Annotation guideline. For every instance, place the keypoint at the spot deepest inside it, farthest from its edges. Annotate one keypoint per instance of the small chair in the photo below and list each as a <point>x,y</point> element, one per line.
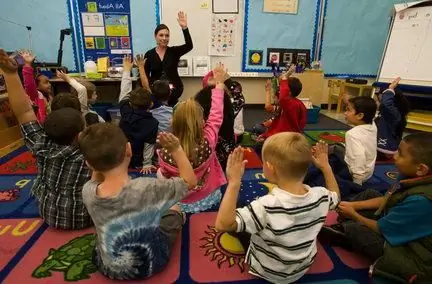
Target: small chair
<point>334,87</point>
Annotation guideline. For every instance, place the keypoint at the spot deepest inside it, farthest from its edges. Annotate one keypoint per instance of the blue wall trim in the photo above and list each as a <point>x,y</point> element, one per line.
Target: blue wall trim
<point>322,32</point>
<point>245,30</point>
<point>157,12</point>
<point>74,43</point>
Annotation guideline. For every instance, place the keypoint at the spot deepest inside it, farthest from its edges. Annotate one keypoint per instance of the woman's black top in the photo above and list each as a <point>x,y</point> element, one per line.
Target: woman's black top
<point>166,69</point>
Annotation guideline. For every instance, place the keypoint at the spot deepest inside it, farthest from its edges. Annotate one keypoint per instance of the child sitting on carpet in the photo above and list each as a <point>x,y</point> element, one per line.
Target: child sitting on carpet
<point>137,122</point>
<point>391,121</point>
<point>359,153</point>
<point>198,139</point>
<point>394,230</point>
<point>61,168</point>
<point>273,108</point>
<point>85,91</point>
<point>37,88</point>
<point>283,225</point>
<point>136,220</point>
<point>235,92</point>
<point>226,140</point>
<point>293,113</point>
<point>161,92</point>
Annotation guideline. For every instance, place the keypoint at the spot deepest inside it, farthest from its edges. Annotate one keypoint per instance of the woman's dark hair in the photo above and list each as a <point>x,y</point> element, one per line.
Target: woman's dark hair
<point>160,27</point>
<point>403,105</point>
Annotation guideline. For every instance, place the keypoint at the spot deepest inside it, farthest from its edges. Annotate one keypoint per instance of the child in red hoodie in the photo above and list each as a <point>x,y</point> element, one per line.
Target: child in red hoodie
<point>293,113</point>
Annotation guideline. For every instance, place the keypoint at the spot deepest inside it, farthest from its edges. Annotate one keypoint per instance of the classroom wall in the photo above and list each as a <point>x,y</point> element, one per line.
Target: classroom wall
<point>47,18</point>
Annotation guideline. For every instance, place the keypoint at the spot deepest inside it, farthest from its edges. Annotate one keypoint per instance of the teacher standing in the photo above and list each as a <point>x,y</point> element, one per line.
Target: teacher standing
<point>162,61</point>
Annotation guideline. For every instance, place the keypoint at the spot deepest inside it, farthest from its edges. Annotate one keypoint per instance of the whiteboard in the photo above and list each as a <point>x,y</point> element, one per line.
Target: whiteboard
<point>409,48</point>
<point>199,13</point>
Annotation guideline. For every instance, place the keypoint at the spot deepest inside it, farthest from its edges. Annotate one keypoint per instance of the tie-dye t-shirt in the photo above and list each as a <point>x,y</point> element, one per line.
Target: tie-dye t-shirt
<point>130,244</point>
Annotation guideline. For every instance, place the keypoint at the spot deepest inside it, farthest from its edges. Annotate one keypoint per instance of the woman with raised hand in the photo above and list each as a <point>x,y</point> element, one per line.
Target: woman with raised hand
<point>162,61</point>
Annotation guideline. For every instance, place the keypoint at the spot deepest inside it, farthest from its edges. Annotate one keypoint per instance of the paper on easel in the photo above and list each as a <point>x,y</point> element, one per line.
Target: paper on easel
<point>185,66</point>
<point>201,65</point>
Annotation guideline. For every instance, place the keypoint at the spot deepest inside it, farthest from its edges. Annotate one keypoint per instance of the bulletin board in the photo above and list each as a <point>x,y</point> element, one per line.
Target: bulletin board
<point>105,29</point>
<point>355,33</point>
<point>263,31</point>
<point>143,15</point>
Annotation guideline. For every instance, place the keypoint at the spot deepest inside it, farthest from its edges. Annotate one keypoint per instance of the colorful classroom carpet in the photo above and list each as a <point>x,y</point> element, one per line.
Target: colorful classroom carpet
<point>33,253</point>
<point>329,136</point>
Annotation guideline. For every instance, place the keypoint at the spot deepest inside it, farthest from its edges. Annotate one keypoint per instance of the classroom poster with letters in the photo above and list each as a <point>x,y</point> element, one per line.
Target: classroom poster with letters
<point>223,35</point>
<point>105,29</point>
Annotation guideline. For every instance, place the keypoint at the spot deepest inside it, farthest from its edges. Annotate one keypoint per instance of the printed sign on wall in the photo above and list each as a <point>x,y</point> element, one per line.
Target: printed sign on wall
<point>105,29</point>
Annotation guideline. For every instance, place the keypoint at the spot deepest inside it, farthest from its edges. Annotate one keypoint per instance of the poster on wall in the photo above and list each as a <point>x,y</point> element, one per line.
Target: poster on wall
<point>223,35</point>
<point>105,29</point>
<point>280,6</point>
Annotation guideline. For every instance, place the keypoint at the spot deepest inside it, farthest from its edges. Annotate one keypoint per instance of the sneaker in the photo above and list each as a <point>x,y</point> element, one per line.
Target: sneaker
<point>334,235</point>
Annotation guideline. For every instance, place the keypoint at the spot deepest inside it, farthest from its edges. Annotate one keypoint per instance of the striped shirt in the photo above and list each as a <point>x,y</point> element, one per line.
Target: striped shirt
<point>284,228</point>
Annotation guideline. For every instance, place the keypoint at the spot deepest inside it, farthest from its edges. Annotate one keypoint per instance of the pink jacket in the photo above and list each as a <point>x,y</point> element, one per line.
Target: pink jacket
<point>210,172</point>
<point>206,78</point>
<point>36,97</point>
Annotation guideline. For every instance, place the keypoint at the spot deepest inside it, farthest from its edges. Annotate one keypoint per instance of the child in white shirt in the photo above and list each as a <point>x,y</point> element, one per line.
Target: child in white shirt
<point>284,224</point>
<point>361,141</point>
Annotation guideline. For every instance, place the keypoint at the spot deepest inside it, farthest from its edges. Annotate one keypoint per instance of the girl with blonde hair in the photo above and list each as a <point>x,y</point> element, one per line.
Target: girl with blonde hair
<point>198,139</point>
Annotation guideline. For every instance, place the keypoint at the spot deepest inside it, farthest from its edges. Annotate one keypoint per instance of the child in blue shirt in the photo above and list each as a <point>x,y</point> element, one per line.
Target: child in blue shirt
<point>395,230</point>
<point>161,93</point>
<point>391,120</point>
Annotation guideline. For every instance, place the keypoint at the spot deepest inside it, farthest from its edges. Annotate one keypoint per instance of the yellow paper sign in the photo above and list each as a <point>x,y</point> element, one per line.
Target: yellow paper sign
<point>204,5</point>
<point>89,43</point>
<point>92,7</point>
<point>102,64</point>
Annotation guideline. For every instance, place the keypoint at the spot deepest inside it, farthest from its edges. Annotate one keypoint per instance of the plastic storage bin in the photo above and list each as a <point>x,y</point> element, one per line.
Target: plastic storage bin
<point>313,114</point>
<point>115,115</point>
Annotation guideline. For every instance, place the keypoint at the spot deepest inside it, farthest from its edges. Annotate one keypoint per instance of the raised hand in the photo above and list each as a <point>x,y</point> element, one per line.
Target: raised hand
<point>236,166</point>
<point>169,141</point>
<point>219,73</point>
<point>394,84</point>
<point>28,57</point>
<point>182,19</point>
<point>127,63</point>
<point>7,64</point>
<point>140,60</point>
<point>63,76</point>
<point>291,70</point>
<point>320,155</point>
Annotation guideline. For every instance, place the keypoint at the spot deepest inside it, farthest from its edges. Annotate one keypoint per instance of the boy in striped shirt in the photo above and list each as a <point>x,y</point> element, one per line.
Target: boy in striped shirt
<point>283,225</point>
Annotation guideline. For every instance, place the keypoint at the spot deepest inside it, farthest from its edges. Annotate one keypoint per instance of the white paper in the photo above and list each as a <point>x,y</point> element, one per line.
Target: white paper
<point>201,65</point>
<point>121,51</point>
<point>223,35</point>
<point>94,31</point>
<point>225,6</point>
<point>92,19</point>
<point>185,66</point>
<point>403,6</point>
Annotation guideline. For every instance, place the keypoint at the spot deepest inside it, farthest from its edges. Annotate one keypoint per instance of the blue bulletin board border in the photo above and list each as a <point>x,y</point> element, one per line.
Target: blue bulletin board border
<point>245,39</point>
<point>74,43</point>
<point>157,12</point>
